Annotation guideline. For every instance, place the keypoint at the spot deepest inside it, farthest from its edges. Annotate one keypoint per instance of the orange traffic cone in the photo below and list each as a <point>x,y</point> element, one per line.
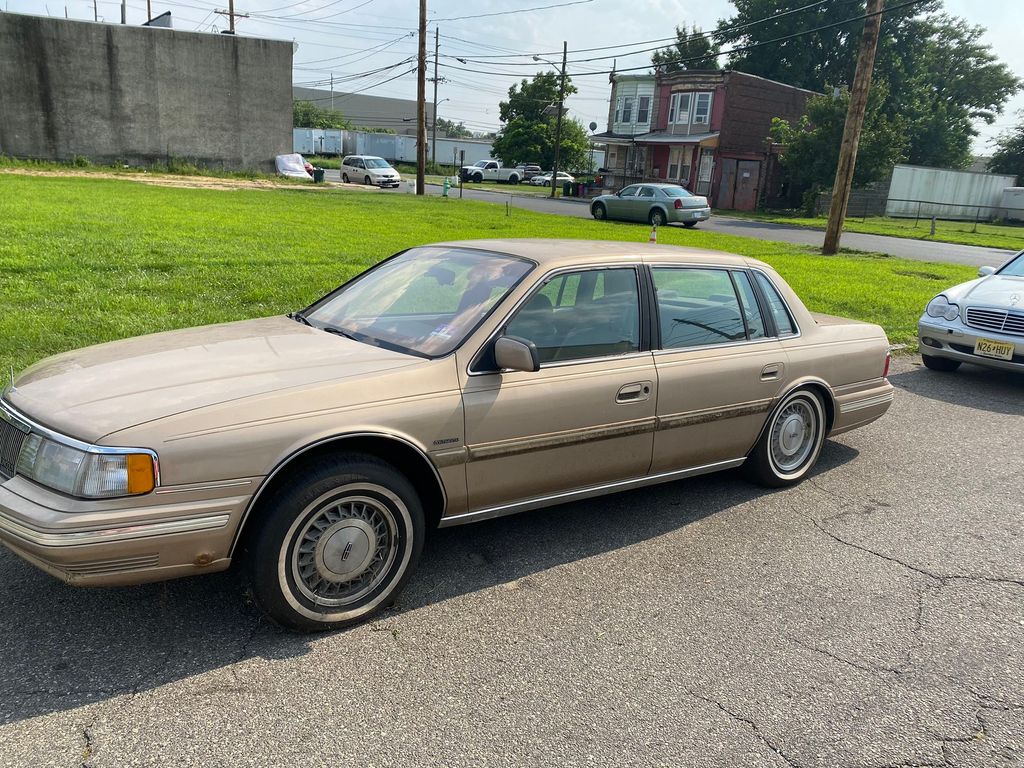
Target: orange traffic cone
<point>654,235</point>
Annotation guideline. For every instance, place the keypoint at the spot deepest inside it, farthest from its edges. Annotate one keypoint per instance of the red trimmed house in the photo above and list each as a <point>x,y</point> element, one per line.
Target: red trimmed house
<point>706,129</point>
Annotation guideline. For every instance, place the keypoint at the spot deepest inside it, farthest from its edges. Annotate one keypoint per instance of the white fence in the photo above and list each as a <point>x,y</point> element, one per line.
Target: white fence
<point>918,192</point>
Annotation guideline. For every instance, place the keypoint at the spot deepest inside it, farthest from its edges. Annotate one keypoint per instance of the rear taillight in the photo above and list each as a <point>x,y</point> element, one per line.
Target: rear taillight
<point>888,359</point>
<point>679,203</point>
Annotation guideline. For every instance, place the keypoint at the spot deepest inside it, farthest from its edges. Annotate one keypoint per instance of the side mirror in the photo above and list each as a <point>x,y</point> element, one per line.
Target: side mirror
<point>516,354</point>
<point>986,271</point>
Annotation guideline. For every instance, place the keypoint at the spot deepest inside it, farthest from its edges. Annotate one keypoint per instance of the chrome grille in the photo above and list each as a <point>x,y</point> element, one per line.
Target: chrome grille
<point>998,320</point>
<point>11,440</point>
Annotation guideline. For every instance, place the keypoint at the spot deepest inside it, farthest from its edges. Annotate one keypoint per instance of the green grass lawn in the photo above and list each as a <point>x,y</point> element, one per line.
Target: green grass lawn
<point>962,232</point>
<point>86,260</point>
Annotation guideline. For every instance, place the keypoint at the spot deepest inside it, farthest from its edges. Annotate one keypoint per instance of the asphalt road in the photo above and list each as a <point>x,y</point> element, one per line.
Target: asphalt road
<point>906,248</point>
<point>873,616</point>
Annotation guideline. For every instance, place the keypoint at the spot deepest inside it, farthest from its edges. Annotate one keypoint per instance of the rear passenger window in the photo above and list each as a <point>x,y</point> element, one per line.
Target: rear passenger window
<point>697,307</point>
<point>783,320</point>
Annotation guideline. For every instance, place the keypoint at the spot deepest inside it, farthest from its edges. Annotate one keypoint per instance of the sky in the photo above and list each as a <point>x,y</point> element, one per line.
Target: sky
<point>361,43</point>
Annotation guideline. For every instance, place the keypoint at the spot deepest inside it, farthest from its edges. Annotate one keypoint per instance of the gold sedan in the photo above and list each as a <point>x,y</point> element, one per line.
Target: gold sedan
<point>451,383</point>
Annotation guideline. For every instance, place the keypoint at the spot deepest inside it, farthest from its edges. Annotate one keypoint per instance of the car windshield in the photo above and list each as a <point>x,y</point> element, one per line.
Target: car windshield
<point>376,162</point>
<point>676,192</point>
<point>424,301</point>
<point>1015,268</point>
<point>480,164</point>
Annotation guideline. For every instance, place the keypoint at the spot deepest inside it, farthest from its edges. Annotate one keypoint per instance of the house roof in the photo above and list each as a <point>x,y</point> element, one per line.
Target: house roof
<point>657,137</point>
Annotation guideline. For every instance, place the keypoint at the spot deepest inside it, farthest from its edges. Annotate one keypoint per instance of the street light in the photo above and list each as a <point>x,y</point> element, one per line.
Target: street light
<point>433,130</point>
<point>561,108</point>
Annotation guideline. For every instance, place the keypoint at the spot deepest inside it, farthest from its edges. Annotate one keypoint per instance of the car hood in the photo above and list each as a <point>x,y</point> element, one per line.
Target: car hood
<point>98,390</point>
<point>991,291</point>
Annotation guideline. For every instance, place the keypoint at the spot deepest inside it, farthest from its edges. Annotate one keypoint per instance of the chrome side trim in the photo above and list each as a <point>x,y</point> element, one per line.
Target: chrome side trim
<point>450,457</point>
<point>203,487</point>
<point>706,415</point>
<point>105,535</point>
<point>37,428</point>
<point>867,402</point>
<point>519,445</point>
<point>584,493</point>
<point>334,439</point>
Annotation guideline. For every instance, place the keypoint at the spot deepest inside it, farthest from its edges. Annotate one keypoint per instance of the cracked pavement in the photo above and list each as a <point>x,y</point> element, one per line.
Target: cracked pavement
<point>872,617</point>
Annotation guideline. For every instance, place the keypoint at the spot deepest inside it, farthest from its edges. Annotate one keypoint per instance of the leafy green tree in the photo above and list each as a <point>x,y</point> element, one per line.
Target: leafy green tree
<point>527,134</point>
<point>940,75</point>
<point>811,148</point>
<point>1009,155</point>
<point>453,130</point>
<point>306,114</point>
<point>691,50</point>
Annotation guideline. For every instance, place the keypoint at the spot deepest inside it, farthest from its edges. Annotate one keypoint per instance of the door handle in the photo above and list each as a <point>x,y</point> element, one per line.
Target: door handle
<point>634,393</point>
<point>771,372</point>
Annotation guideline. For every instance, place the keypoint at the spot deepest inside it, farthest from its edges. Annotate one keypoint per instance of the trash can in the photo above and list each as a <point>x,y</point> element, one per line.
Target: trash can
<point>580,186</point>
<point>567,189</point>
<point>318,175</point>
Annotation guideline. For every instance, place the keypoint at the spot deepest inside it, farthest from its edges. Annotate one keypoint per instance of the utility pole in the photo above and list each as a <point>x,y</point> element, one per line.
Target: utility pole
<point>149,10</point>
<point>230,13</point>
<point>433,128</point>
<point>124,11</point>
<point>95,11</point>
<point>852,129</point>
<point>332,91</point>
<point>421,103</point>
<point>558,120</point>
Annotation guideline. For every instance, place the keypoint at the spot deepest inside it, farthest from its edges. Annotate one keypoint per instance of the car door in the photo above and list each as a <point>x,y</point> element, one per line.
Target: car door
<point>719,362</point>
<point>618,205</point>
<point>641,207</point>
<point>586,418</point>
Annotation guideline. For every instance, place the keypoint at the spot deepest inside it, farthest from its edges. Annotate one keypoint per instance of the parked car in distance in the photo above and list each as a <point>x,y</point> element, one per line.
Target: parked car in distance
<point>369,170</point>
<point>448,384</point>
<point>980,321</point>
<point>657,204</point>
<point>544,179</point>
<point>528,171</point>
<point>490,170</point>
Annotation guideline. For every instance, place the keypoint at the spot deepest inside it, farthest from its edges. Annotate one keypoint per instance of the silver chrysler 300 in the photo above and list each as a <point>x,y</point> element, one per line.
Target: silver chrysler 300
<point>980,321</point>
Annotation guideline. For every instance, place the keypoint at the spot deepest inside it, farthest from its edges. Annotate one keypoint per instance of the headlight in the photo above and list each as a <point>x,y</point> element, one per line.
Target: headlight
<point>87,474</point>
<point>940,307</point>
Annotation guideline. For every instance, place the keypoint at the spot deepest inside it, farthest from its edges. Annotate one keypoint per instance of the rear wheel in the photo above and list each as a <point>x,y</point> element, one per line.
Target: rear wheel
<point>943,364</point>
<point>599,212</point>
<point>344,177</point>
<point>656,217</point>
<point>790,443</point>
<point>336,544</point>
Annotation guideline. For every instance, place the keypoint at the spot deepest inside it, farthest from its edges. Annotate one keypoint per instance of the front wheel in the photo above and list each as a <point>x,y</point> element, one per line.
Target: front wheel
<point>367,181</point>
<point>790,443</point>
<point>336,544</point>
<point>656,217</point>
<point>943,364</point>
<point>478,178</point>
<point>599,212</point>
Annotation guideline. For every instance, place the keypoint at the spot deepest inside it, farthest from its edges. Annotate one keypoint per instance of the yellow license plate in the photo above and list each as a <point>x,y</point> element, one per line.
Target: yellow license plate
<point>995,349</point>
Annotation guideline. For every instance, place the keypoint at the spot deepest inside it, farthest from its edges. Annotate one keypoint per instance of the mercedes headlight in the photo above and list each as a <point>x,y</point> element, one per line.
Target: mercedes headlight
<point>100,473</point>
<point>941,307</point>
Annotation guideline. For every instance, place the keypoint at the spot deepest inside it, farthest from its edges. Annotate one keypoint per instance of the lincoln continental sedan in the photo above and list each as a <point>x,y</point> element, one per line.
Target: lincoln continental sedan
<point>448,384</point>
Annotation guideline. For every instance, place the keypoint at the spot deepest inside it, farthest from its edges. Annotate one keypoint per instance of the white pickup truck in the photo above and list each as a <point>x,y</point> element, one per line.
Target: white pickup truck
<point>490,170</point>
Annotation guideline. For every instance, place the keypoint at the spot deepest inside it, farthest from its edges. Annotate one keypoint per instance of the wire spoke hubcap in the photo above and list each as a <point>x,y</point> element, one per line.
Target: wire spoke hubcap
<point>344,550</point>
<point>793,435</point>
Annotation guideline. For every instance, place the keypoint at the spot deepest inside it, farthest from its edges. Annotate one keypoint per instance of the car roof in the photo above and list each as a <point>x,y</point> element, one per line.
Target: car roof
<point>557,253</point>
<point>365,157</point>
<point>656,185</point>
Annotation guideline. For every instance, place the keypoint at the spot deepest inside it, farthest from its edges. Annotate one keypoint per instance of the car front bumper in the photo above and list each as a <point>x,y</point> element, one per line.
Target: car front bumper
<point>172,532</point>
<point>683,215</point>
<point>956,341</point>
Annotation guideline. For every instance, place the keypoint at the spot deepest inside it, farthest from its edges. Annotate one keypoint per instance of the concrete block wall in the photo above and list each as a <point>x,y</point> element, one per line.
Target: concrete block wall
<point>138,95</point>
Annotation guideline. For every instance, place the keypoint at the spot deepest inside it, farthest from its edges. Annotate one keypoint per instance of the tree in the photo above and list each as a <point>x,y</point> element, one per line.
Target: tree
<point>527,134</point>
<point>940,75</point>
<point>691,50</point>
<point>306,114</point>
<point>453,130</point>
<point>1009,155</point>
<point>811,148</point>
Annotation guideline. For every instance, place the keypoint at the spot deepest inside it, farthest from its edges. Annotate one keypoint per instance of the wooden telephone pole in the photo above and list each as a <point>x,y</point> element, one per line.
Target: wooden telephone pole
<point>230,13</point>
<point>852,129</point>
<point>558,120</point>
<point>421,103</point>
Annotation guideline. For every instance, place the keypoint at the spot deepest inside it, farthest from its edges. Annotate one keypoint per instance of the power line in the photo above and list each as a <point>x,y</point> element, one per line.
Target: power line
<point>518,10</point>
